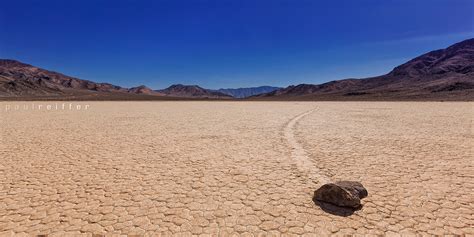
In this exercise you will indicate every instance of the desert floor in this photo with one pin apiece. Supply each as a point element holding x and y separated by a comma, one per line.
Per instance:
<point>241,168</point>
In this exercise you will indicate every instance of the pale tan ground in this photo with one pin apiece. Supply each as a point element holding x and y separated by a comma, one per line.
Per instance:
<point>224,168</point>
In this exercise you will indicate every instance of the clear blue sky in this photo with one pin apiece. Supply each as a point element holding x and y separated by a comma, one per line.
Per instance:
<point>228,43</point>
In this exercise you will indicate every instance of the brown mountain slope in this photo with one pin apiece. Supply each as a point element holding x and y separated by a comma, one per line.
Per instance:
<point>25,82</point>
<point>192,91</point>
<point>142,90</point>
<point>446,74</point>
<point>20,80</point>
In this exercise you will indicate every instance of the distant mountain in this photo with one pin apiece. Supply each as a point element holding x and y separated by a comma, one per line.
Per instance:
<point>445,74</point>
<point>141,90</point>
<point>246,92</point>
<point>192,91</point>
<point>23,80</point>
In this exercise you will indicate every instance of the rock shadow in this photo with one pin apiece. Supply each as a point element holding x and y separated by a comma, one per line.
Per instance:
<point>336,210</point>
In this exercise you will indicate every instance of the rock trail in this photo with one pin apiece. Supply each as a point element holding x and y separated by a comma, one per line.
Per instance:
<point>299,155</point>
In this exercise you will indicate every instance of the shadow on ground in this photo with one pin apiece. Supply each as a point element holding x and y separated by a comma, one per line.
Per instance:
<point>336,210</point>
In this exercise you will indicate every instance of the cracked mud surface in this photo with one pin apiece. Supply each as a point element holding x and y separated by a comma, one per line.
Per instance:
<point>223,168</point>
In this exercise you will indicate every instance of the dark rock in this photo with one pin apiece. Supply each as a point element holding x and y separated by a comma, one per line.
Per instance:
<point>342,193</point>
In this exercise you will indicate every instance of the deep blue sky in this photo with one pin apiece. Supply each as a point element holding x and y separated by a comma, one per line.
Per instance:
<point>226,43</point>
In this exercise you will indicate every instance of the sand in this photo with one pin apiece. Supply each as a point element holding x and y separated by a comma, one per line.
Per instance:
<point>242,168</point>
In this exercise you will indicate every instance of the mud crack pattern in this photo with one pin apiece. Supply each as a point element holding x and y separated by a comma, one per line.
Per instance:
<point>226,168</point>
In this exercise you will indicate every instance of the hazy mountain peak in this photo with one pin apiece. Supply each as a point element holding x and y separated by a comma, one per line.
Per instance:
<point>249,91</point>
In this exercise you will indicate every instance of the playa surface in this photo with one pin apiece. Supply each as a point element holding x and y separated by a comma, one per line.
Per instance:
<point>242,168</point>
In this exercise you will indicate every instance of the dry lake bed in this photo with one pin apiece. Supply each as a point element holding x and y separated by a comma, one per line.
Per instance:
<point>234,168</point>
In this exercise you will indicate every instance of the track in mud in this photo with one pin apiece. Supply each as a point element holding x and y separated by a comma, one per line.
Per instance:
<point>299,155</point>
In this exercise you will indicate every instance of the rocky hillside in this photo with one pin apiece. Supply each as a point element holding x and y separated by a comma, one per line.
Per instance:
<point>192,91</point>
<point>446,74</point>
<point>141,90</point>
<point>23,80</point>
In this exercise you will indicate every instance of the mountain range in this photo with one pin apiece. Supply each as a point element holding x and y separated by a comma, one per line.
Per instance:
<point>23,81</point>
<point>445,74</point>
<point>247,92</point>
<point>192,91</point>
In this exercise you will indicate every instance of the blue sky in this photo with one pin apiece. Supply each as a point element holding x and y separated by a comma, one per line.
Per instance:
<point>226,43</point>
